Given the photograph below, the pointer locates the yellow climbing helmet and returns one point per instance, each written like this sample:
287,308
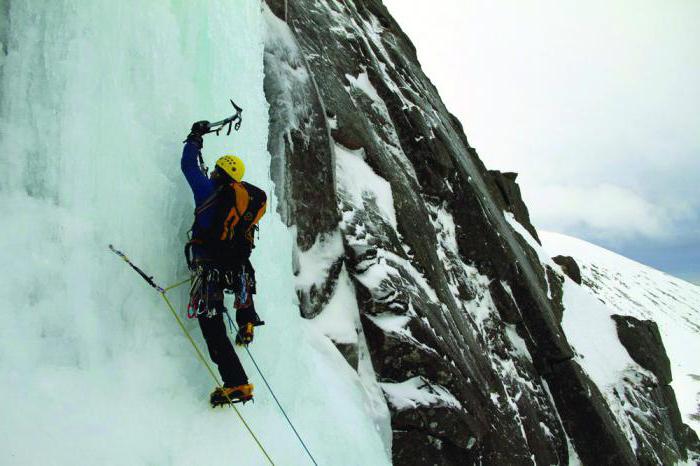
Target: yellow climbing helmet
232,166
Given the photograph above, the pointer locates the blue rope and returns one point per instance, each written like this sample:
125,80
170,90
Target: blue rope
275,397
230,322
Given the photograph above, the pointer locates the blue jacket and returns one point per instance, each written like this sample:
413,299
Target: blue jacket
202,187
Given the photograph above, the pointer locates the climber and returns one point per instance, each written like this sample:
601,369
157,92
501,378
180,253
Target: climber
226,217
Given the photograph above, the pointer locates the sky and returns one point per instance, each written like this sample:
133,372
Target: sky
595,105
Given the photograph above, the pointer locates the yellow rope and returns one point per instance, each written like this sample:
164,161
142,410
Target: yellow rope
171,287
162,292
206,364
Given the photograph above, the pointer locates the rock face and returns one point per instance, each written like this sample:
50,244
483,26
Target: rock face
508,193
642,340
569,266
460,314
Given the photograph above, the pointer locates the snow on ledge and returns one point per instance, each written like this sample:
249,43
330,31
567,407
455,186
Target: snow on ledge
358,180
392,323
312,266
416,392
532,242
362,83
340,318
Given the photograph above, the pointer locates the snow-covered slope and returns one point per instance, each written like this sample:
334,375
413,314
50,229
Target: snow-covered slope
629,288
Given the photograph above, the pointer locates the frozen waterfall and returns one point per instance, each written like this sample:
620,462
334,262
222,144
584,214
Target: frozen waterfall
95,100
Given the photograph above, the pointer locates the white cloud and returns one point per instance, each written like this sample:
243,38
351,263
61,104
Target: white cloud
604,211
594,104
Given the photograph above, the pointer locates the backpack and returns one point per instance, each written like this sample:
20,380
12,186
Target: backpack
238,207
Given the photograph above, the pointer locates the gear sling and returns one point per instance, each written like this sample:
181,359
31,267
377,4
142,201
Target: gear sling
219,256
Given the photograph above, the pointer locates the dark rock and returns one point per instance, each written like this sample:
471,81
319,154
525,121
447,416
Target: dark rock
437,421
647,419
556,292
685,436
442,268
550,345
419,448
302,162
507,307
642,340
313,299
278,7
508,192
587,418
651,404
349,352
569,266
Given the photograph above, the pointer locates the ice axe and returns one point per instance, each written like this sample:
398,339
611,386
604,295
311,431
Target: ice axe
234,121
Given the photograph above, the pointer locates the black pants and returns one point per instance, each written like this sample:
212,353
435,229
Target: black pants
221,350
214,331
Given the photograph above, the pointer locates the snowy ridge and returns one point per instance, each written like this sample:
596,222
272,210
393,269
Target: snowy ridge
630,287
626,287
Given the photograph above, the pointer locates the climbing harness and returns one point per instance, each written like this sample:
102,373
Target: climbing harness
241,282
163,291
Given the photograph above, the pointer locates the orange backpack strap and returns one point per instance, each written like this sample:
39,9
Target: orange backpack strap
247,207
258,203
256,209
237,211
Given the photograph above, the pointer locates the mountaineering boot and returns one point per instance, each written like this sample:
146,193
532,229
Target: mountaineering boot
226,395
245,334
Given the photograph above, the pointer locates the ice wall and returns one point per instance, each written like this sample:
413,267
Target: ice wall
96,98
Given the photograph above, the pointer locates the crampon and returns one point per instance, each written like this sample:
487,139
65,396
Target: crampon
229,395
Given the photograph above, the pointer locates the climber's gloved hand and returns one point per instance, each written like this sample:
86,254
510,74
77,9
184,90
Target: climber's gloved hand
199,129
245,334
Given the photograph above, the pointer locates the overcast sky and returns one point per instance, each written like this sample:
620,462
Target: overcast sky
594,103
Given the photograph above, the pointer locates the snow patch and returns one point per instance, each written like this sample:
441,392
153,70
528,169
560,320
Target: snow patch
416,392
312,266
381,268
518,343
362,83
359,182
392,323
592,333
340,322
633,289
340,318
